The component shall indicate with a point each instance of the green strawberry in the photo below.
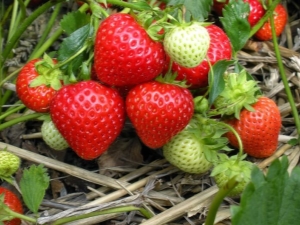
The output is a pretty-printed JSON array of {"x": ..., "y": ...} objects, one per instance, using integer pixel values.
[
  {"x": 52, "y": 137},
  {"x": 9, "y": 164},
  {"x": 187, "y": 44},
  {"x": 194, "y": 149},
  {"x": 231, "y": 168}
]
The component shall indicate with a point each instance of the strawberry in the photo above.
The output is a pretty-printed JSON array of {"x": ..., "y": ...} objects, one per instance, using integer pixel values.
[
  {"x": 190, "y": 148},
  {"x": 257, "y": 10},
  {"x": 258, "y": 129},
  {"x": 219, "y": 49},
  {"x": 9, "y": 164},
  {"x": 125, "y": 55},
  {"x": 158, "y": 111},
  {"x": 280, "y": 19},
  {"x": 187, "y": 43},
  {"x": 52, "y": 137},
  {"x": 89, "y": 116},
  {"x": 13, "y": 203},
  {"x": 37, "y": 83},
  {"x": 232, "y": 168}
]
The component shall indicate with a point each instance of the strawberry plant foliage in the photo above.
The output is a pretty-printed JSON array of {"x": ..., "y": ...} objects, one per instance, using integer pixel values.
[
  {"x": 236, "y": 24},
  {"x": 195, "y": 9},
  {"x": 72, "y": 46},
  {"x": 33, "y": 186},
  {"x": 73, "y": 21},
  {"x": 216, "y": 79},
  {"x": 270, "y": 199}
]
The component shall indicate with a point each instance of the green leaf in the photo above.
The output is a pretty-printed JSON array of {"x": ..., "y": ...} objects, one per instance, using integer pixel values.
[
  {"x": 72, "y": 45},
  {"x": 293, "y": 142},
  {"x": 216, "y": 79},
  {"x": 33, "y": 186},
  {"x": 235, "y": 23},
  {"x": 73, "y": 21},
  {"x": 271, "y": 199},
  {"x": 195, "y": 9}
]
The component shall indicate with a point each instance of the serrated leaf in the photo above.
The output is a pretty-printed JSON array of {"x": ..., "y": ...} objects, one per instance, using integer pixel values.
[
  {"x": 216, "y": 79},
  {"x": 235, "y": 23},
  {"x": 195, "y": 9},
  {"x": 271, "y": 199},
  {"x": 73, "y": 44},
  {"x": 33, "y": 185},
  {"x": 73, "y": 21}
]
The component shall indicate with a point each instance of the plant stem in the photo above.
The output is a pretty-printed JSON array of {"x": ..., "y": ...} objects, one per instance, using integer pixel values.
[
  {"x": 21, "y": 216},
  {"x": 121, "y": 209},
  {"x": 284, "y": 79},
  {"x": 19, "y": 119},
  {"x": 40, "y": 51},
  {"x": 16, "y": 36},
  {"x": 11, "y": 111},
  {"x": 240, "y": 143},
  {"x": 48, "y": 28},
  {"x": 127, "y": 5},
  {"x": 217, "y": 200}
]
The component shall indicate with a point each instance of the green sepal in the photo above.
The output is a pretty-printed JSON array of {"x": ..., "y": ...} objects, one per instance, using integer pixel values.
[
  {"x": 48, "y": 74},
  {"x": 210, "y": 134},
  {"x": 170, "y": 78},
  {"x": 238, "y": 93}
]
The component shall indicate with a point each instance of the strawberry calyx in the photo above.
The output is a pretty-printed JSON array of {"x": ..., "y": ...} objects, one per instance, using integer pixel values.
[
  {"x": 210, "y": 135},
  {"x": 239, "y": 93},
  {"x": 201, "y": 104},
  {"x": 170, "y": 78},
  {"x": 48, "y": 74}
]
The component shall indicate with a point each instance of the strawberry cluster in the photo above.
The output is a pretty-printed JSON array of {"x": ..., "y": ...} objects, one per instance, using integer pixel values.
[{"x": 151, "y": 71}]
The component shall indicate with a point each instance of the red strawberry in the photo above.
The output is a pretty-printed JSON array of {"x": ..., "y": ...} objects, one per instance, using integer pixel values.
[
  {"x": 36, "y": 84},
  {"x": 280, "y": 19},
  {"x": 14, "y": 203},
  {"x": 219, "y": 49},
  {"x": 258, "y": 130},
  {"x": 124, "y": 53},
  {"x": 256, "y": 9},
  {"x": 89, "y": 116},
  {"x": 158, "y": 111}
]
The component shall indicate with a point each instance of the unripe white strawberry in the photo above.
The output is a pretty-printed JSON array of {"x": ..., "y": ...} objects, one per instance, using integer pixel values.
[
  {"x": 187, "y": 44},
  {"x": 9, "y": 163},
  {"x": 189, "y": 149},
  {"x": 52, "y": 137}
]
